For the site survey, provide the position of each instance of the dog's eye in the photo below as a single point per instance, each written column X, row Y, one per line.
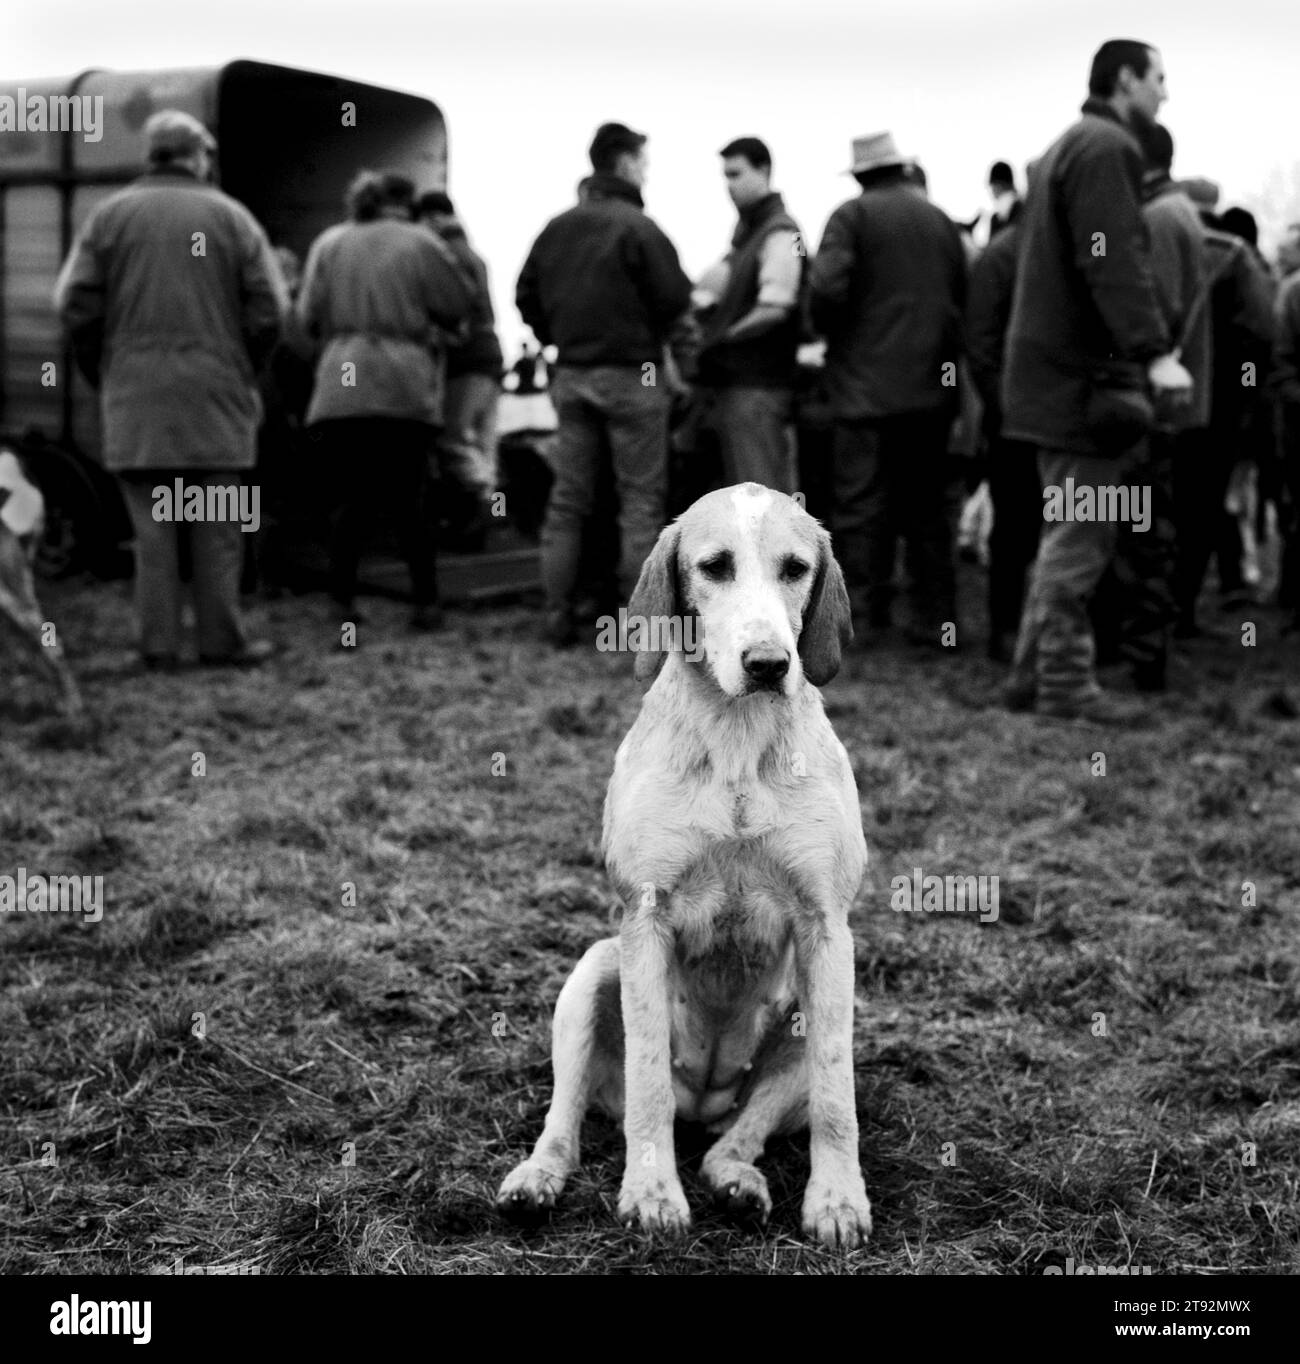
column 717, row 568
column 793, row 569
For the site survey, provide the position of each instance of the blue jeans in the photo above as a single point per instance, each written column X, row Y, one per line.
column 605, row 413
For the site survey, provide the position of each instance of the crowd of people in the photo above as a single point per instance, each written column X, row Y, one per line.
column 1108, row 331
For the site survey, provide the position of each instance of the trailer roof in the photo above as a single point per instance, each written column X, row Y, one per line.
column 130, row 97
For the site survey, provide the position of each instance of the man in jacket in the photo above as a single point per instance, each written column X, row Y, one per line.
column 1241, row 417
column 377, row 294
column 172, row 301
column 1198, row 268
column 748, row 309
column 467, row 443
column 1285, row 388
column 1134, row 609
column 603, row 284
column 888, row 289
column 1083, row 296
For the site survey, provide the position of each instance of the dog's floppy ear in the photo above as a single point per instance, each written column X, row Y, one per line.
column 827, row 623
column 657, row 594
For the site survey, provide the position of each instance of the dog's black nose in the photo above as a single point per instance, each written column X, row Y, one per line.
column 765, row 664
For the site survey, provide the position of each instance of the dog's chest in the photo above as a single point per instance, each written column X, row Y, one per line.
column 724, row 1007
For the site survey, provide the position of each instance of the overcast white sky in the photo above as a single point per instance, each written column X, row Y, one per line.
column 523, row 84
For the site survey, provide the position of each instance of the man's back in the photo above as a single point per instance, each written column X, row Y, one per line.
column 171, row 299
column 174, row 252
column 1179, row 270
column 480, row 352
column 384, row 277
column 888, row 290
column 602, row 282
column 988, row 310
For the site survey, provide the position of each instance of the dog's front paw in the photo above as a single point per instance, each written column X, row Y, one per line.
column 837, row 1212
column 529, row 1191
column 654, row 1205
column 740, row 1190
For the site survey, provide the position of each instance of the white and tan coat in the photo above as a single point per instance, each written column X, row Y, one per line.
column 733, row 836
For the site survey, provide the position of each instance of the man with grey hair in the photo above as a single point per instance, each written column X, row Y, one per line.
column 172, row 301
column 888, row 290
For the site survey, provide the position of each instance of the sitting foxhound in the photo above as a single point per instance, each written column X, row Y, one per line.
column 22, row 520
column 733, row 837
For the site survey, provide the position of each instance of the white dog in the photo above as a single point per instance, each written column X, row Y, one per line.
column 733, row 836
column 22, row 518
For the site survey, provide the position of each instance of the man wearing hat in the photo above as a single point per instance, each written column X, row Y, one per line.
column 603, row 285
column 888, row 290
column 172, row 301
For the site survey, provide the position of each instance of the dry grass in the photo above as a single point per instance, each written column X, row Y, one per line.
column 369, row 1028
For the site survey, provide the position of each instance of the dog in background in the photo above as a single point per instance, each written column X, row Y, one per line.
column 22, row 521
column 733, row 836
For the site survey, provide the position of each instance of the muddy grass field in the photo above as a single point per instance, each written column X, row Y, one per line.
column 249, row 1065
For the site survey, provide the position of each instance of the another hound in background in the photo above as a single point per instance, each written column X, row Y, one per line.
column 733, row 836
column 22, row 519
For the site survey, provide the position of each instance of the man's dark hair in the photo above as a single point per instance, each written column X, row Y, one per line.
column 1111, row 56
column 1241, row 223
column 434, row 201
column 1000, row 174
column 610, row 142
column 890, row 175
column 372, row 191
column 1157, row 144
column 753, row 149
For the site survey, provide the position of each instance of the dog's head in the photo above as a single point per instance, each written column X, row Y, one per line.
column 756, row 596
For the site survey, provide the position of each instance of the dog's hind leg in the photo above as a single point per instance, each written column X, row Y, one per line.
column 778, row 1102
column 586, row 1056
column 19, row 608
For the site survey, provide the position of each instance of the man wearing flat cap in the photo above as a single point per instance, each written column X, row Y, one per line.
column 172, row 301
column 888, row 291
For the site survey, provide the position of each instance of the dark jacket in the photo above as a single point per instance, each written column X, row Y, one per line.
column 767, row 360
column 1241, row 315
column 1084, row 291
column 988, row 311
column 888, row 290
column 175, row 338
column 480, row 351
column 1180, row 271
column 1285, row 378
column 603, row 283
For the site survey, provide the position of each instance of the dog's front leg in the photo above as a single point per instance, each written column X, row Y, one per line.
column 836, row 1210
column 652, row 1192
